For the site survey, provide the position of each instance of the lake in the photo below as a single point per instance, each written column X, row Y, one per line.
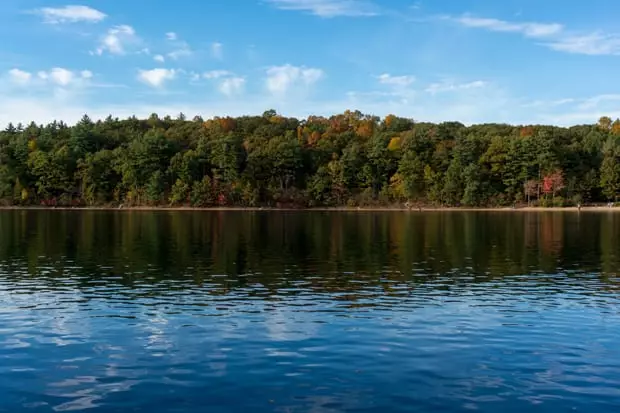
column 309, row 311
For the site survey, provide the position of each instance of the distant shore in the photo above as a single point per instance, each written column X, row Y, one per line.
column 600, row 208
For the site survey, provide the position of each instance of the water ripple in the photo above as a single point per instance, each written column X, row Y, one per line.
column 391, row 320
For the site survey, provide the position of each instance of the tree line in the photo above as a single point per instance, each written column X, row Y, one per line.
column 349, row 159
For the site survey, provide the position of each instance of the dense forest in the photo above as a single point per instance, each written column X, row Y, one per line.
column 350, row 159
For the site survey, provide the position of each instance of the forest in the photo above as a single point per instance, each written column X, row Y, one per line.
column 350, row 159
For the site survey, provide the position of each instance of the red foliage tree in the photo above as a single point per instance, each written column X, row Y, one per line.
column 553, row 183
column 526, row 131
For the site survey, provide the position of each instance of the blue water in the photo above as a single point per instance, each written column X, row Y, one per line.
column 251, row 312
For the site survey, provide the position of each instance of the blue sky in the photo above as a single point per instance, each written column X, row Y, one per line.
column 527, row 61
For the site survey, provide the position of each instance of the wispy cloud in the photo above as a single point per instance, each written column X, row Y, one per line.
column 548, row 104
column 217, row 50
column 232, row 85
column 402, row 81
column 181, row 47
column 590, row 44
column 117, row 40
column 329, row 8
column 449, row 86
column 582, row 110
column 156, row 77
column 572, row 111
column 597, row 101
column 216, row 74
column 280, row 79
column 183, row 51
column 554, row 35
column 528, row 29
column 70, row 14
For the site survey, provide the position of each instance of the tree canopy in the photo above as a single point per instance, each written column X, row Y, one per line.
column 269, row 160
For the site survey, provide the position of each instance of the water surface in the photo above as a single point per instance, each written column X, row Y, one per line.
column 309, row 311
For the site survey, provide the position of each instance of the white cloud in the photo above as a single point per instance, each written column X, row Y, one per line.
column 402, row 81
column 490, row 104
column 171, row 36
column 159, row 58
column 57, row 76
column 20, row 76
column 216, row 74
column 281, row 78
column 70, row 14
column 156, row 77
column 60, row 76
column 329, row 8
column 448, row 86
column 229, row 84
column 64, row 77
column 117, row 39
column 528, row 29
column 217, row 50
column 182, row 51
column 232, row 85
column 590, row 44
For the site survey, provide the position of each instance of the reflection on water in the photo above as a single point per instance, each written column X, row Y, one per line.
column 251, row 311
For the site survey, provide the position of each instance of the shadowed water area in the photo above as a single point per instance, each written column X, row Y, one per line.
column 309, row 311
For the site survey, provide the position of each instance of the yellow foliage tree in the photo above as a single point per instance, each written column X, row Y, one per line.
column 394, row 144
column 364, row 129
column 397, row 186
column 227, row 124
column 315, row 137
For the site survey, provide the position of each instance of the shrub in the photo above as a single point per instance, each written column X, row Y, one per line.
column 545, row 203
column 558, row 202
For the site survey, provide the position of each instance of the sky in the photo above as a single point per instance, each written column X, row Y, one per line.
column 473, row 61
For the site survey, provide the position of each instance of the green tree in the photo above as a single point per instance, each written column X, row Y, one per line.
column 179, row 194
column 155, row 188
column 473, row 193
column 98, row 177
column 202, row 193
column 143, row 158
column 610, row 170
column 411, row 169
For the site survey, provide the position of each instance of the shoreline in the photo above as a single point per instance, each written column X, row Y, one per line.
column 318, row 209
